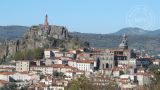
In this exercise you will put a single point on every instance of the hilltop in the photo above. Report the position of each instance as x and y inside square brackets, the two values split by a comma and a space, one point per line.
[20, 38]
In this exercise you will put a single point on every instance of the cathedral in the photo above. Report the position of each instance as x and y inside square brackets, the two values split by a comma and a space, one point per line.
[124, 44]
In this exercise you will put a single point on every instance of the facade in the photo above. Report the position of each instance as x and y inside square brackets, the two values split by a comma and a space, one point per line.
[72, 63]
[48, 54]
[57, 87]
[43, 69]
[85, 65]
[156, 62]
[22, 65]
[6, 75]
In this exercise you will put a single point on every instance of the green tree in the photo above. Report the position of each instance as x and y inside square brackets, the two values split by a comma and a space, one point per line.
[29, 54]
[81, 83]
[19, 55]
[155, 84]
[38, 52]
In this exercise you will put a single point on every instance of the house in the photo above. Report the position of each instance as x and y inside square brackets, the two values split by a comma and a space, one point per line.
[143, 78]
[156, 62]
[57, 60]
[72, 63]
[85, 65]
[125, 82]
[59, 54]
[62, 68]
[42, 69]
[7, 69]
[47, 80]
[72, 74]
[6, 75]
[48, 53]
[22, 65]
[25, 76]
[56, 87]
[71, 55]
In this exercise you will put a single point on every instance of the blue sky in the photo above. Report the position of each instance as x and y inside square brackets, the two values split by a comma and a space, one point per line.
[89, 16]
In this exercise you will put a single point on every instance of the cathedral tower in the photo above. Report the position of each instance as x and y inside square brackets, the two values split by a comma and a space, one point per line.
[124, 43]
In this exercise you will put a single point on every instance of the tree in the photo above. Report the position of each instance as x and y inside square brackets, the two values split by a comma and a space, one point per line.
[155, 85]
[38, 52]
[19, 55]
[29, 54]
[81, 83]
[10, 86]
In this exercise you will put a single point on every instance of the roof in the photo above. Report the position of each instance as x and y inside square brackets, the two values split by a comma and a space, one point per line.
[7, 73]
[117, 50]
[7, 68]
[84, 61]
[157, 60]
[61, 66]
[25, 72]
[4, 82]
[58, 65]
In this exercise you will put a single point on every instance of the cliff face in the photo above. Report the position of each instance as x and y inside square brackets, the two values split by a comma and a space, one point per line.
[40, 36]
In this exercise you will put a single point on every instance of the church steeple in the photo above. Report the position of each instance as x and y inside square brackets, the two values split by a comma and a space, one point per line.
[46, 25]
[124, 43]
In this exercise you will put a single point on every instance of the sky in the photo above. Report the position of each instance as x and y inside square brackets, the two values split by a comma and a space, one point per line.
[86, 16]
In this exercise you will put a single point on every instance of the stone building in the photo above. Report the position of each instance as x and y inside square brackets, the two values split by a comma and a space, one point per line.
[124, 43]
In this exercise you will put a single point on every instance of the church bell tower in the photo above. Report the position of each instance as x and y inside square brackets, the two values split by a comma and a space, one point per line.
[124, 43]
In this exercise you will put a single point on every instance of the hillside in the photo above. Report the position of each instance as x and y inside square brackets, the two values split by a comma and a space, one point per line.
[12, 32]
[112, 41]
[137, 37]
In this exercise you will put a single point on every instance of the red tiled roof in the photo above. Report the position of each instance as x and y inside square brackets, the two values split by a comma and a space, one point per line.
[7, 73]
[57, 65]
[4, 82]
[85, 61]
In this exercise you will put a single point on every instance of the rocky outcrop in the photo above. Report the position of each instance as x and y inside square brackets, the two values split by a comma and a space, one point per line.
[40, 36]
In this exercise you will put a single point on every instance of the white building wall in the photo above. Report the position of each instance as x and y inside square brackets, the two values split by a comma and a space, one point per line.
[47, 54]
[4, 77]
[44, 70]
[85, 66]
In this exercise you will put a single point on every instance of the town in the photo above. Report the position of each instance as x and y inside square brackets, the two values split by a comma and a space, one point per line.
[84, 68]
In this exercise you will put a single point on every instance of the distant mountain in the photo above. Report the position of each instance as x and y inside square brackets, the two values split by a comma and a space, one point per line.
[112, 41]
[131, 31]
[12, 32]
[155, 32]
[137, 37]
[136, 31]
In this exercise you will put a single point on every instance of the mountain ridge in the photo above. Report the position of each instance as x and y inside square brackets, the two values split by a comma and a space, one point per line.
[137, 37]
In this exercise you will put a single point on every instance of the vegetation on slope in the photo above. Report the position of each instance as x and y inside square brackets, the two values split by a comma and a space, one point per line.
[29, 54]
